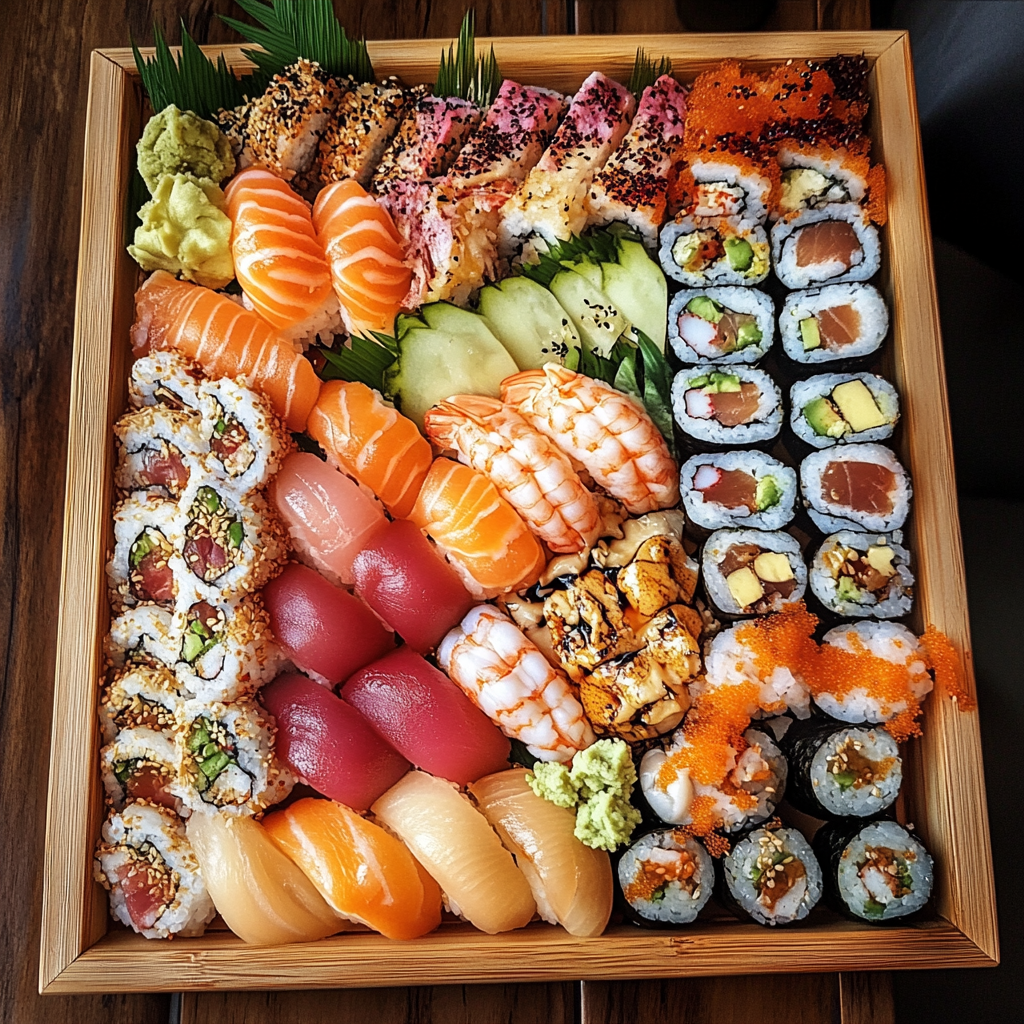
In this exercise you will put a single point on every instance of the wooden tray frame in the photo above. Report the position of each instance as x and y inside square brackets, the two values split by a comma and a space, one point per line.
[945, 796]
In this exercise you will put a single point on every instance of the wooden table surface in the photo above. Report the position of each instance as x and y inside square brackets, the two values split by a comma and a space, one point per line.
[45, 46]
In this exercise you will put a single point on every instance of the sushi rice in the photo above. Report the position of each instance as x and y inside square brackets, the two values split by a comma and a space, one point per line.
[694, 338]
[666, 878]
[869, 317]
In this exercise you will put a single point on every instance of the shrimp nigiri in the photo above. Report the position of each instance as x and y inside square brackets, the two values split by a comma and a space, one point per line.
[528, 468]
[226, 340]
[505, 674]
[379, 446]
[482, 534]
[365, 253]
[606, 431]
[454, 842]
[279, 261]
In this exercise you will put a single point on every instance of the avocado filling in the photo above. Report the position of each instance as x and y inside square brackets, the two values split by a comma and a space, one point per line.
[862, 577]
[212, 750]
[850, 408]
[701, 250]
[151, 577]
[203, 633]
[712, 330]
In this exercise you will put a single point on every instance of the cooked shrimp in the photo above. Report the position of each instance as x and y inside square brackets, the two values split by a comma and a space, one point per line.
[527, 467]
[512, 682]
[605, 430]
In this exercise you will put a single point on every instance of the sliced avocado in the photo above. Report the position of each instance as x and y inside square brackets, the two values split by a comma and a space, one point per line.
[768, 493]
[823, 418]
[858, 406]
[720, 382]
[698, 382]
[847, 590]
[739, 252]
[704, 307]
[141, 547]
[529, 321]
[597, 319]
[637, 287]
[748, 334]
[809, 333]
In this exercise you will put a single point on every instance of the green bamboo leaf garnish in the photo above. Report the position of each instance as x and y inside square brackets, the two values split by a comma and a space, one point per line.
[301, 28]
[646, 71]
[193, 82]
[600, 246]
[462, 75]
[365, 361]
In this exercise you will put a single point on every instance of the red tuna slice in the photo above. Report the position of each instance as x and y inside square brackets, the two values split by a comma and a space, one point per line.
[146, 893]
[409, 585]
[328, 516]
[326, 631]
[329, 744]
[427, 718]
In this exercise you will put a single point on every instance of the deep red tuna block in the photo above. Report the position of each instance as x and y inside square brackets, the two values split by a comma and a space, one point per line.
[409, 585]
[325, 630]
[329, 744]
[427, 718]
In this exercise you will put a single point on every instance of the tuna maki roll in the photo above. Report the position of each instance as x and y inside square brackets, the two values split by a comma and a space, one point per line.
[742, 489]
[720, 325]
[837, 408]
[835, 243]
[863, 574]
[666, 878]
[752, 572]
[740, 407]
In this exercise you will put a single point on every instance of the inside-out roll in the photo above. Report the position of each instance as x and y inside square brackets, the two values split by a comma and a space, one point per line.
[700, 251]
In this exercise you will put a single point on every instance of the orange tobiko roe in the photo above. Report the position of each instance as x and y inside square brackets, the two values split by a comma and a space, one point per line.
[946, 665]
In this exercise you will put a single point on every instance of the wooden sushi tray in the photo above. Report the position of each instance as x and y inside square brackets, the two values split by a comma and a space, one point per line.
[944, 795]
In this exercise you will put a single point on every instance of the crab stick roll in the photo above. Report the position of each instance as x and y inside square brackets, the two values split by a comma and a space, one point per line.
[837, 323]
[743, 489]
[836, 243]
[327, 632]
[721, 325]
[328, 744]
[264, 898]
[752, 572]
[426, 717]
[735, 406]
[839, 408]
[703, 251]
[857, 575]
[457, 846]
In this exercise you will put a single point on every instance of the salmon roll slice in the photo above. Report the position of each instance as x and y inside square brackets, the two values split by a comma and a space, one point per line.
[226, 340]
[376, 444]
[364, 874]
[364, 250]
[482, 534]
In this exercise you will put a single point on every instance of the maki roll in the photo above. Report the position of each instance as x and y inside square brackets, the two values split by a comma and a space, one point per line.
[860, 574]
[144, 635]
[836, 322]
[856, 486]
[167, 379]
[142, 764]
[665, 878]
[838, 408]
[842, 771]
[157, 447]
[146, 863]
[731, 184]
[819, 175]
[874, 872]
[752, 572]
[702, 251]
[834, 243]
[146, 565]
[741, 407]
[721, 325]
[743, 489]
[773, 876]
[139, 696]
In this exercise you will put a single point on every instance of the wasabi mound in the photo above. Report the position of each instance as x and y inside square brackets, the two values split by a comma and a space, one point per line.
[180, 142]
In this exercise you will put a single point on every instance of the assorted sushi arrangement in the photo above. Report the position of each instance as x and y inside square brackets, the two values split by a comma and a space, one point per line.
[476, 553]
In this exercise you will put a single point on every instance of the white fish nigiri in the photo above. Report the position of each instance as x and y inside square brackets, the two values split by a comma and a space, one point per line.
[571, 883]
[459, 849]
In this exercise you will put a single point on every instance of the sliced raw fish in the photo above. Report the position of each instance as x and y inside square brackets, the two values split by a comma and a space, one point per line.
[735, 407]
[732, 488]
[324, 629]
[828, 241]
[329, 744]
[866, 487]
[838, 326]
[427, 718]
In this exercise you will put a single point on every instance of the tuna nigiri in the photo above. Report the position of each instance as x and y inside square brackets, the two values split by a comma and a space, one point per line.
[380, 447]
[477, 528]
[454, 842]
[279, 261]
[571, 883]
[226, 340]
[367, 264]
[365, 874]
[262, 896]
[329, 517]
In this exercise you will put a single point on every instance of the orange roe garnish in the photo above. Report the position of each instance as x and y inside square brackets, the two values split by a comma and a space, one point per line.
[653, 875]
[946, 665]
[717, 845]
[782, 640]
[904, 725]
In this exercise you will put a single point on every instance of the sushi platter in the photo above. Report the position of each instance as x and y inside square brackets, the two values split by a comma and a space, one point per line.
[361, 564]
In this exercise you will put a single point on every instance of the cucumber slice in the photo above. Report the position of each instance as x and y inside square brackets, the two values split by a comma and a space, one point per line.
[594, 315]
[588, 268]
[456, 355]
[528, 320]
[637, 287]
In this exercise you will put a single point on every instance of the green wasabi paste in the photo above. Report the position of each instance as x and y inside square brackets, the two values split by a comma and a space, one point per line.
[180, 142]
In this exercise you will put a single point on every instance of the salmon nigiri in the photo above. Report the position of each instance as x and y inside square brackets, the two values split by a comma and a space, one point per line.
[477, 528]
[367, 264]
[226, 340]
[364, 874]
[279, 260]
[453, 841]
[379, 446]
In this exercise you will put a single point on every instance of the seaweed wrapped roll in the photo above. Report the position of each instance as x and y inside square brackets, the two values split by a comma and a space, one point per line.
[666, 878]
[863, 574]
[740, 407]
[742, 488]
[720, 325]
[752, 572]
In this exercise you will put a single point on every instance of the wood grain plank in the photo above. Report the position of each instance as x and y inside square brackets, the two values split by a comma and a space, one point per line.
[866, 998]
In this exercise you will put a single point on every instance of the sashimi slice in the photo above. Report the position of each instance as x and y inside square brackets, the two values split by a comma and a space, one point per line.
[571, 883]
[328, 516]
[454, 842]
[364, 874]
[262, 896]
[409, 585]
[427, 718]
[325, 630]
[226, 340]
[328, 744]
